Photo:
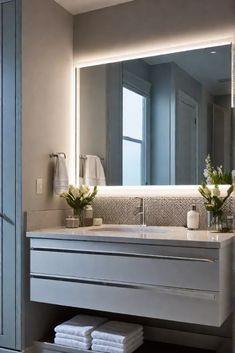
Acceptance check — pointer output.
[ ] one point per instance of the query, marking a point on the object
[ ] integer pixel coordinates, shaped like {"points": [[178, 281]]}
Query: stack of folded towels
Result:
{"points": [[77, 331], [117, 337]]}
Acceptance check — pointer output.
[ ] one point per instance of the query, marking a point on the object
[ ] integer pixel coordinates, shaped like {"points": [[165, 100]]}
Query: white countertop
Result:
{"points": [[174, 236]]}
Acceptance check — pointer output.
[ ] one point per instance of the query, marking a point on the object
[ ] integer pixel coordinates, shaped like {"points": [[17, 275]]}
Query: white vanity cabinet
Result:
{"points": [[178, 280]]}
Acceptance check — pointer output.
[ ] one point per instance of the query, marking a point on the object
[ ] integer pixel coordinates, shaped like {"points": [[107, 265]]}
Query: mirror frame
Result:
{"points": [[153, 190]]}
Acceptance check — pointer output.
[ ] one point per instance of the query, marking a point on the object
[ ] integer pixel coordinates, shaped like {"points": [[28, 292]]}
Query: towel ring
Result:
{"points": [[53, 155]]}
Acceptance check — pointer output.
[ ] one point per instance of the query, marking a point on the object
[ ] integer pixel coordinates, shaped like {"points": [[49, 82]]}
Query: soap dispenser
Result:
{"points": [[193, 218]]}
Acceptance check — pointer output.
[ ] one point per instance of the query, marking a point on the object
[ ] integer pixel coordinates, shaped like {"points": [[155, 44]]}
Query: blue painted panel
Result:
{"points": [[9, 189]]}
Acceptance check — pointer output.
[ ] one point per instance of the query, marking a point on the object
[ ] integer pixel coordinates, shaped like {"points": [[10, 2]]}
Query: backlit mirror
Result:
{"points": [[153, 121]]}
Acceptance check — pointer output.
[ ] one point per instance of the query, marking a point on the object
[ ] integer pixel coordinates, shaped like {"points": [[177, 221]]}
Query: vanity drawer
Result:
{"points": [[194, 272], [163, 303]]}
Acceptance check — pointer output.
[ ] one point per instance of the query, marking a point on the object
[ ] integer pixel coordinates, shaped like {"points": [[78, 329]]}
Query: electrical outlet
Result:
{"points": [[39, 186]]}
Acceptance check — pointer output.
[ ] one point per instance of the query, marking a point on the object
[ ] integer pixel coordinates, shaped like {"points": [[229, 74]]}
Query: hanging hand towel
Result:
{"points": [[61, 181], [93, 171], [80, 325]]}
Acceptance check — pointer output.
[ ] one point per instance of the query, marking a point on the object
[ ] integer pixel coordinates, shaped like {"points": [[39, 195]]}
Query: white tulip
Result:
{"points": [[215, 192], [76, 193]]}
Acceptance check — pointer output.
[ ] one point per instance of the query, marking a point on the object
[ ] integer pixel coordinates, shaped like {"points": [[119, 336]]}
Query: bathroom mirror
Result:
{"points": [[153, 121]]}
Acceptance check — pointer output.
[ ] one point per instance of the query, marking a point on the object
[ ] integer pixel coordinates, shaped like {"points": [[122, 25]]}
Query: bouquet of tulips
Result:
{"points": [[79, 197], [213, 200]]}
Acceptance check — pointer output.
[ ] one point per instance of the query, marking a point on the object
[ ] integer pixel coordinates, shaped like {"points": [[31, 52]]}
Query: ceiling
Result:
{"points": [[80, 6], [210, 66]]}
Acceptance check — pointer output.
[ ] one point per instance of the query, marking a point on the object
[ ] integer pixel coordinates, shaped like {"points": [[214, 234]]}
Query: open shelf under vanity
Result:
{"points": [[177, 278], [48, 346]]}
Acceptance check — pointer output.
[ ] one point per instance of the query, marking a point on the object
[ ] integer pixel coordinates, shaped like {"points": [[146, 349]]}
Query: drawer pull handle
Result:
{"points": [[166, 257], [185, 258], [138, 255], [191, 293]]}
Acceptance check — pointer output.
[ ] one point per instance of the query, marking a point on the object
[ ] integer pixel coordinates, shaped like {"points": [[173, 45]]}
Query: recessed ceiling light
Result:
{"points": [[213, 52]]}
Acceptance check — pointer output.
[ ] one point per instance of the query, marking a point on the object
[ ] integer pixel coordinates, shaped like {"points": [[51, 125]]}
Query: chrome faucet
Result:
{"points": [[141, 211]]}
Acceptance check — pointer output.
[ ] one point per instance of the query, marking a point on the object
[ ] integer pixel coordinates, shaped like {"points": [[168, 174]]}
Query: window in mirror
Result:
{"points": [[133, 150]]}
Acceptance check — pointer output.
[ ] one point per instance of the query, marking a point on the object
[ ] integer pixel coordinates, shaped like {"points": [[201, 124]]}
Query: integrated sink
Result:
{"points": [[130, 229]]}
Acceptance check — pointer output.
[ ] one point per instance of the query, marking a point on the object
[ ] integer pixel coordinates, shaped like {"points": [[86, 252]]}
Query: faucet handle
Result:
{"points": [[141, 210], [138, 197], [138, 210], [140, 207], [141, 199]]}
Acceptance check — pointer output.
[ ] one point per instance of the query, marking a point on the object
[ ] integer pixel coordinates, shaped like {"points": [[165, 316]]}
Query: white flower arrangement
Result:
{"points": [[79, 197], [216, 176], [212, 197]]}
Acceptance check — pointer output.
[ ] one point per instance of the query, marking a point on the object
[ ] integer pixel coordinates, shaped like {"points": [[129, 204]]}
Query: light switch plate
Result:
{"points": [[39, 186]]}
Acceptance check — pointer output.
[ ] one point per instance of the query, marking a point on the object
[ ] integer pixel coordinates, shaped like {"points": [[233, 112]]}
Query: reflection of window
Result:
{"points": [[134, 138]]}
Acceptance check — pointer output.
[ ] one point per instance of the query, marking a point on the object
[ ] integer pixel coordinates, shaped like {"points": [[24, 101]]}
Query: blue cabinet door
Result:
{"points": [[10, 185]]}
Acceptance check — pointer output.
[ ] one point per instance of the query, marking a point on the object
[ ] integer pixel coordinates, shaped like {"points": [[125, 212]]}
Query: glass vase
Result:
{"points": [[78, 214], [215, 221]]}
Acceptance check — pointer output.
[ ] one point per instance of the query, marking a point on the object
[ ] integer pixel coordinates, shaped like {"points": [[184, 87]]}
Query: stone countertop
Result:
{"points": [[169, 236]]}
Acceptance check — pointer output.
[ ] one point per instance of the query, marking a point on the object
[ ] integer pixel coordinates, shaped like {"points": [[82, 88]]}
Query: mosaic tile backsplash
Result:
{"points": [[160, 211]]}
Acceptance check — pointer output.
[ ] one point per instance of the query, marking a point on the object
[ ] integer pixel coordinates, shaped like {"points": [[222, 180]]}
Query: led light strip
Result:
{"points": [[232, 75], [162, 190], [154, 52]]}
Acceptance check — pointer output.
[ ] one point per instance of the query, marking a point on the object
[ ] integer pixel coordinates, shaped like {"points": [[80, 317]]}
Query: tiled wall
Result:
{"points": [[161, 211]]}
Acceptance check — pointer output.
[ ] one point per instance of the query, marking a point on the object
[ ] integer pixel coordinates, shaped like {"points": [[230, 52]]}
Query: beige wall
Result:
{"points": [[47, 74], [47, 64], [150, 25], [93, 110]]}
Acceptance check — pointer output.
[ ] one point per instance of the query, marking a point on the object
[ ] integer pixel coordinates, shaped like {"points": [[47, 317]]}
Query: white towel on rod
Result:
{"points": [[61, 180], [93, 171], [80, 325]]}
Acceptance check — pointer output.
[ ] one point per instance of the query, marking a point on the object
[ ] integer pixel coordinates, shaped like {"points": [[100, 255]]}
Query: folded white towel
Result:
{"points": [[111, 349], [83, 339], [71, 343], [80, 325], [117, 331], [93, 171], [127, 344], [61, 180]]}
